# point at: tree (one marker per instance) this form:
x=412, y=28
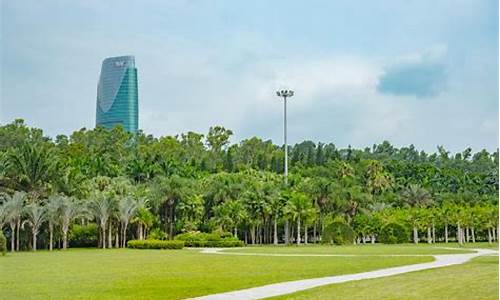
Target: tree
x=13, y=206
x=35, y=216
x=52, y=212
x=416, y=196
x=127, y=207
x=101, y=207
x=298, y=208
x=69, y=210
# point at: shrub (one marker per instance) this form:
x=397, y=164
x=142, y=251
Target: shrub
x=157, y=234
x=3, y=243
x=155, y=244
x=202, y=239
x=339, y=233
x=393, y=233
x=83, y=235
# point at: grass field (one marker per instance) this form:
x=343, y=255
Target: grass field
x=477, y=279
x=368, y=249
x=178, y=274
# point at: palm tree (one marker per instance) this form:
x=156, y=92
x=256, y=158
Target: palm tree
x=70, y=210
x=35, y=214
x=416, y=196
x=13, y=206
x=31, y=167
x=101, y=207
x=127, y=207
x=53, y=216
x=298, y=208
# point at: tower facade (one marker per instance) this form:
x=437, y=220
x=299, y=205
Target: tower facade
x=117, y=94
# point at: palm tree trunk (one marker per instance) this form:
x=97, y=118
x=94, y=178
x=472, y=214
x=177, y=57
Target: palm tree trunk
x=473, y=234
x=415, y=235
x=65, y=239
x=103, y=236
x=17, y=234
x=446, y=233
x=287, y=237
x=459, y=234
x=429, y=236
x=51, y=236
x=275, y=235
x=373, y=239
x=12, y=237
x=305, y=234
x=298, y=230
x=110, y=235
x=467, y=234
x=314, y=232
x=34, y=240
x=489, y=235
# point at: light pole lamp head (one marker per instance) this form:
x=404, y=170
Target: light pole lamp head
x=284, y=93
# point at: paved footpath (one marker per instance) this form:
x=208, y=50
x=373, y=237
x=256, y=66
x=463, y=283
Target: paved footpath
x=288, y=287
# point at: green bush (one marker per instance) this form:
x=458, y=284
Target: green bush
x=339, y=233
x=157, y=234
x=83, y=235
x=155, y=244
x=3, y=243
x=202, y=239
x=393, y=233
x=215, y=244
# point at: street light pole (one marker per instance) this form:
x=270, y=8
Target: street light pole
x=285, y=94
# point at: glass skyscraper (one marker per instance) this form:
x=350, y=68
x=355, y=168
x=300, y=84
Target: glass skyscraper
x=117, y=96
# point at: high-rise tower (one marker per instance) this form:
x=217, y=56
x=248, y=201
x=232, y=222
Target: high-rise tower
x=117, y=96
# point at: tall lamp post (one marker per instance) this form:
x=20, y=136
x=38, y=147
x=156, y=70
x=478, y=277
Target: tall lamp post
x=285, y=94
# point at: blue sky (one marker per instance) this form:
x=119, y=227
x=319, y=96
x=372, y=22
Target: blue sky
x=411, y=72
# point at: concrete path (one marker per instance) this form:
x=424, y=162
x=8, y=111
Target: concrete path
x=288, y=287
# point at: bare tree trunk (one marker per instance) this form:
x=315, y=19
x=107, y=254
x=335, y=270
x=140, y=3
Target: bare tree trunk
x=415, y=235
x=17, y=234
x=51, y=236
x=34, y=240
x=298, y=230
x=103, y=236
x=446, y=233
x=12, y=237
x=433, y=233
x=110, y=234
x=65, y=239
x=305, y=234
x=275, y=235
x=314, y=232
x=459, y=234
x=287, y=236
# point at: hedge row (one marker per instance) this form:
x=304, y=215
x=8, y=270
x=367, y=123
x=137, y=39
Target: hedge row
x=214, y=244
x=155, y=244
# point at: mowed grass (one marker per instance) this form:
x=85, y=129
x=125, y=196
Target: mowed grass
x=477, y=279
x=165, y=274
x=368, y=249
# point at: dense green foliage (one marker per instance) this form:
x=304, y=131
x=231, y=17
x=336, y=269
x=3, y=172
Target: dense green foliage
x=83, y=235
x=155, y=244
x=215, y=239
x=135, y=187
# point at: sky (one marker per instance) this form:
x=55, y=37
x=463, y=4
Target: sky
x=410, y=72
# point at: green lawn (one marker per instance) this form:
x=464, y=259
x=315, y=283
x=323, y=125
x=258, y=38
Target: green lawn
x=368, y=249
x=477, y=279
x=163, y=274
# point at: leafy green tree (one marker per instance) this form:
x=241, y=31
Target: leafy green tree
x=35, y=216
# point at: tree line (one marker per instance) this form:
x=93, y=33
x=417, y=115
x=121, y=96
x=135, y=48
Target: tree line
x=138, y=186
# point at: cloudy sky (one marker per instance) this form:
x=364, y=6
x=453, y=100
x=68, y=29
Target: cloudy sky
x=421, y=72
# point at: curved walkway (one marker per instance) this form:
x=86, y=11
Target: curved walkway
x=289, y=287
